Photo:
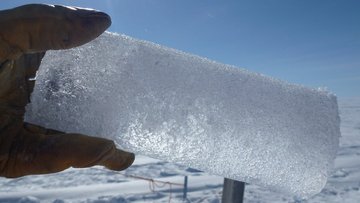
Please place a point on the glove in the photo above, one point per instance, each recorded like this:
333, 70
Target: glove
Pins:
36, 28
26, 33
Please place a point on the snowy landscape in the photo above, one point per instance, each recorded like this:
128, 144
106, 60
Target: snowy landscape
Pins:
97, 185
284, 119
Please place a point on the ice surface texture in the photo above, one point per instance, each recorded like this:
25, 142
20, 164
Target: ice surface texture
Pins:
181, 108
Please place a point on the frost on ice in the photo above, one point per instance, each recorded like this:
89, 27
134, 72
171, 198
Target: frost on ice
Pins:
181, 108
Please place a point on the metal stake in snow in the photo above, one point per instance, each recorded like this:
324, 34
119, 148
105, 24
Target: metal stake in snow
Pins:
233, 191
182, 108
185, 188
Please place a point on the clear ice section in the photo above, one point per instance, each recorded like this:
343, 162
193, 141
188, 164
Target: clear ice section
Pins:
182, 108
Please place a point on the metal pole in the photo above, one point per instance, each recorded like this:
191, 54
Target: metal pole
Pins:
185, 188
233, 191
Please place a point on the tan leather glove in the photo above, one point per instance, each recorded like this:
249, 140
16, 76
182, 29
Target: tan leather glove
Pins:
26, 33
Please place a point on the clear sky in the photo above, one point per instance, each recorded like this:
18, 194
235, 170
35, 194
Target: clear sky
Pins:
315, 43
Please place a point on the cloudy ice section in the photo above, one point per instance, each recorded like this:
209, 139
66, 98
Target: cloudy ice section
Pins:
182, 108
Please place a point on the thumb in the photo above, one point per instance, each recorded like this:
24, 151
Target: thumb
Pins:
39, 27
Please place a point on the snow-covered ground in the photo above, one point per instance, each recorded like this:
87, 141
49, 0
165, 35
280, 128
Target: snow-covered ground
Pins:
100, 186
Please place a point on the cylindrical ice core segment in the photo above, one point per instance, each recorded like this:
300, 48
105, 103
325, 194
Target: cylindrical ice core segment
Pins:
182, 108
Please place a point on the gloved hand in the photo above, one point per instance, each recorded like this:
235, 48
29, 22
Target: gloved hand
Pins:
26, 33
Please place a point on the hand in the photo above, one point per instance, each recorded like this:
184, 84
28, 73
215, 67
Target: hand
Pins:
26, 33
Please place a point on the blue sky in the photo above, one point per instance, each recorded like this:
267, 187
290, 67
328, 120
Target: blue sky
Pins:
313, 43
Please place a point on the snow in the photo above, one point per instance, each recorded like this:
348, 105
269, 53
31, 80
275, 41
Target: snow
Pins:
180, 108
126, 188
87, 185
